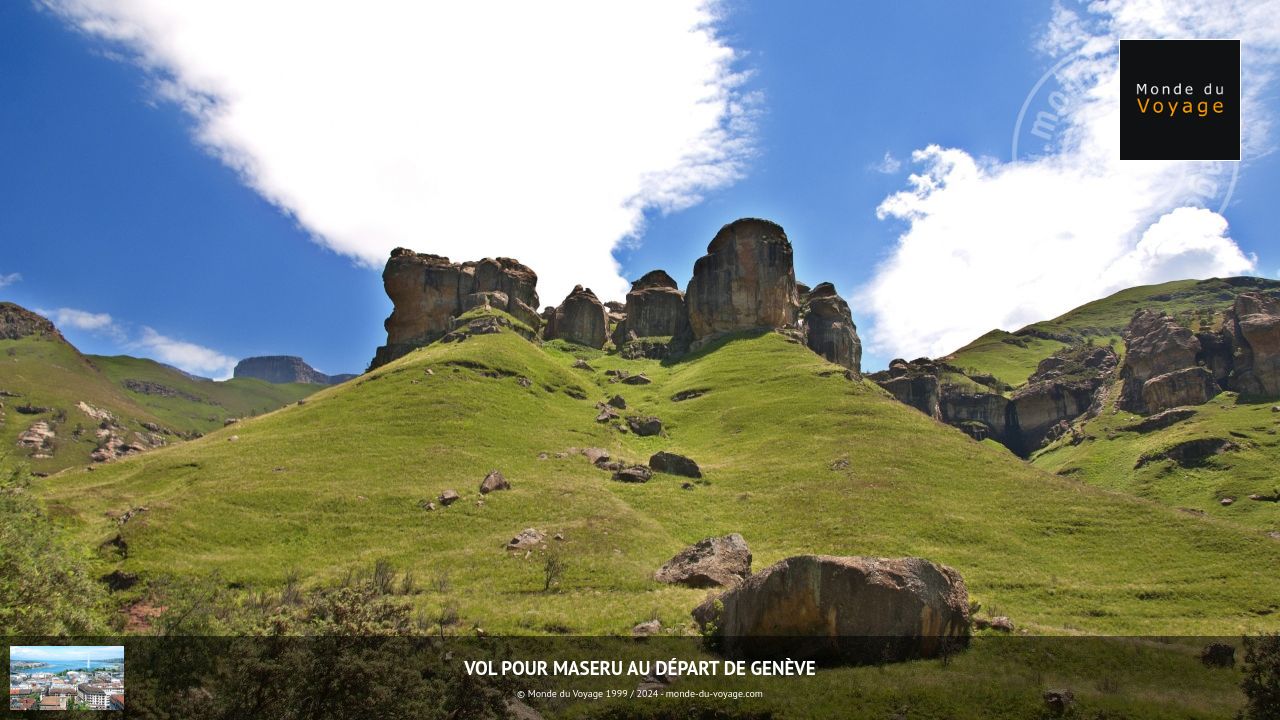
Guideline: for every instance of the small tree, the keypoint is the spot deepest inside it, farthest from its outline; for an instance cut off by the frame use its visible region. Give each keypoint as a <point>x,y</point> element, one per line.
<point>1261,682</point>
<point>552,570</point>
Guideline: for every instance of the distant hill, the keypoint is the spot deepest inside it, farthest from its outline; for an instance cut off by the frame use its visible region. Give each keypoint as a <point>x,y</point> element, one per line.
<point>284,369</point>
<point>61,408</point>
<point>1213,454</point>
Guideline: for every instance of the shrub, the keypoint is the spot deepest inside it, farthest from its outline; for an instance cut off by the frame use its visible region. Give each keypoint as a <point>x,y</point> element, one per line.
<point>1261,682</point>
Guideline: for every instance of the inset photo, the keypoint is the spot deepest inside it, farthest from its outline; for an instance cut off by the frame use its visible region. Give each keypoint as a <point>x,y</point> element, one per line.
<point>66,677</point>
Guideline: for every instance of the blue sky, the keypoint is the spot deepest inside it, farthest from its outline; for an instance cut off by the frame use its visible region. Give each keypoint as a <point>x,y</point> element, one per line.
<point>69,653</point>
<point>227,186</point>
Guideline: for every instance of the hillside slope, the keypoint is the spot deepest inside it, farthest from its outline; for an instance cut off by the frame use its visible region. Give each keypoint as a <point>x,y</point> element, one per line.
<point>59,406</point>
<point>796,457</point>
<point>1012,357</point>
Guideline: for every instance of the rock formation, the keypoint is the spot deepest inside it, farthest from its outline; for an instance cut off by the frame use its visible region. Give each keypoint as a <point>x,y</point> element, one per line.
<point>841,610</point>
<point>913,383</point>
<point>580,319</point>
<point>1255,322</point>
<point>655,309</point>
<point>428,291</point>
<point>284,369</point>
<point>1063,388</point>
<point>828,326</point>
<point>746,280</point>
<point>713,562</point>
<point>1157,347</point>
<point>18,322</point>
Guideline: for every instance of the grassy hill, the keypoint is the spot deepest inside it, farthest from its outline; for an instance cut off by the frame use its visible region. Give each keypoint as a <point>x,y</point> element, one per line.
<point>796,457</point>
<point>1011,357</point>
<point>45,379</point>
<point>1109,450</point>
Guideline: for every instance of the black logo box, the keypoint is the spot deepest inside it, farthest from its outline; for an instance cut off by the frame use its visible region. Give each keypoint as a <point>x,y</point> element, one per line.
<point>1187,68</point>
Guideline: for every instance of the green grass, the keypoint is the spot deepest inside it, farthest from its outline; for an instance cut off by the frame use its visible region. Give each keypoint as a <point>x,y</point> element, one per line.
<point>1012,357</point>
<point>1110,452</point>
<point>337,482</point>
<point>51,373</point>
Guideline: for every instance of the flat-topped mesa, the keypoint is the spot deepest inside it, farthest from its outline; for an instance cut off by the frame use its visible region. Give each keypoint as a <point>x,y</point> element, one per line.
<point>828,326</point>
<point>281,369</point>
<point>428,291</point>
<point>580,319</point>
<point>655,308</point>
<point>746,280</point>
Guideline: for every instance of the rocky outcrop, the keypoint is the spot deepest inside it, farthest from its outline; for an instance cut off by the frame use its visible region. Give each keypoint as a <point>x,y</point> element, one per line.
<point>673,464</point>
<point>915,384</point>
<point>580,319</point>
<point>655,309</point>
<point>1156,347</point>
<point>17,322</point>
<point>1255,322</point>
<point>982,415</point>
<point>746,280</point>
<point>841,610</point>
<point>1063,387</point>
<point>429,290</point>
<point>828,327</point>
<point>283,369</point>
<point>713,562</point>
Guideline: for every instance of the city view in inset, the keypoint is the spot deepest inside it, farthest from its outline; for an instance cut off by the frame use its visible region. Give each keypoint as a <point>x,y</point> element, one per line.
<point>66,677</point>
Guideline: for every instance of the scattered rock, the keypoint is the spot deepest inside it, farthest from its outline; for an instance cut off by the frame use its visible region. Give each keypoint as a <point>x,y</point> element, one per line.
<point>647,628</point>
<point>543,456</point>
<point>618,402</point>
<point>528,538</point>
<point>1000,623</point>
<point>37,437</point>
<point>492,482</point>
<point>233,438</point>
<point>581,364</point>
<point>1218,655</point>
<point>712,562</point>
<point>673,464</point>
<point>687,395</point>
<point>524,382</point>
<point>1224,502</point>
<point>230,421</point>
<point>633,474</point>
<point>428,506</point>
<point>595,455</point>
<point>639,379</point>
<point>1057,702</point>
<point>97,413</point>
<point>686,486</point>
<point>606,414</point>
<point>644,426</point>
<point>29,409</point>
<point>449,497</point>
<point>841,610</point>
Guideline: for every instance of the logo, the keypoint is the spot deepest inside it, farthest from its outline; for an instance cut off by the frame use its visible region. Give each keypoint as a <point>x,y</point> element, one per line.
<point>1179,99</point>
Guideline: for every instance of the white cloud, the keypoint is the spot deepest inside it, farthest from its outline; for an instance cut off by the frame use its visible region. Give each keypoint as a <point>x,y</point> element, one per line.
<point>889,165</point>
<point>1002,244</point>
<point>98,323</point>
<point>193,358</point>
<point>11,278</point>
<point>540,131</point>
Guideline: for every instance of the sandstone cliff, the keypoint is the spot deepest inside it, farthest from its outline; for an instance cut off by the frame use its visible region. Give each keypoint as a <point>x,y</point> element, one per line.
<point>428,291</point>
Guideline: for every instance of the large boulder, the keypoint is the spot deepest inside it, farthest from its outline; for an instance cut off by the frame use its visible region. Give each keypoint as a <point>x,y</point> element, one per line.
<point>746,280</point>
<point>841,610</point>
<point>1188,386</point>
<point>1155,345</point>
<point>713,562</point>
<point>580,319</point>
<point>428,291</point>
<point>829,329</point>
<point>1256,321</point>
<point>673,464</point>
